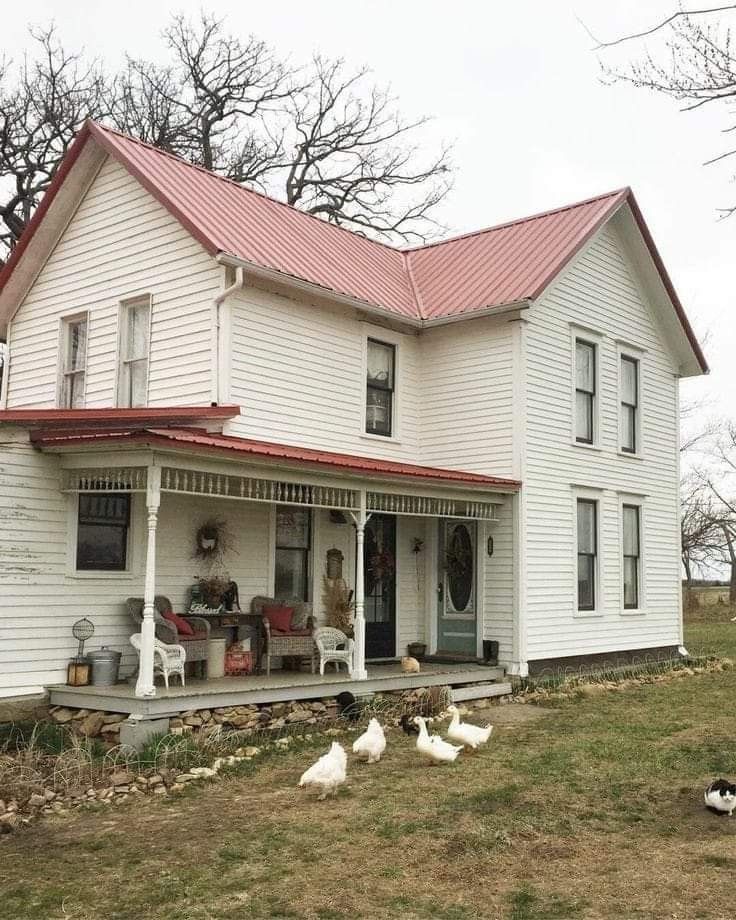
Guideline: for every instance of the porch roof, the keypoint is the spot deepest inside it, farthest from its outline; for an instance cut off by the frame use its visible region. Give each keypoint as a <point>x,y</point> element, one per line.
<point>109,419</point>
<point>234,447</point>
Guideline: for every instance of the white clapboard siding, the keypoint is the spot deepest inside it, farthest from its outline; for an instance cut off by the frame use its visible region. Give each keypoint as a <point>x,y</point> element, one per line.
<point>599,292</point>
<point>466,397</point>
<point>498,581</point>
<point>297,370</point>
<point>120,243</point>
<point>410,581</point>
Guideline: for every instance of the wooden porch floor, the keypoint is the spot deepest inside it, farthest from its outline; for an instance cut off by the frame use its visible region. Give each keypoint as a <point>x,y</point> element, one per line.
<point>278,687</point>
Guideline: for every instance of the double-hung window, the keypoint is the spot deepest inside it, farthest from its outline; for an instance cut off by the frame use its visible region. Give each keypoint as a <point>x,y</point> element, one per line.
<point>102,532</point>
<point>74,362</point>
<point>293,546</point>
<point>629,404</point>
<point>380,378</point>
<point>134,348</point>
<point>585,391</point>
<point>587,528</point>
<point>631,526</point>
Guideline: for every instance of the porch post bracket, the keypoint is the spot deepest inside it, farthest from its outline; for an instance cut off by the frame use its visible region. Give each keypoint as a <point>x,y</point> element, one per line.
<point>145,686</point>
<point>359,520</point>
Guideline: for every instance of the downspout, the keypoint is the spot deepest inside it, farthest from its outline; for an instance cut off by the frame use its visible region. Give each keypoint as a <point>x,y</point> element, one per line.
<point>217,389</point>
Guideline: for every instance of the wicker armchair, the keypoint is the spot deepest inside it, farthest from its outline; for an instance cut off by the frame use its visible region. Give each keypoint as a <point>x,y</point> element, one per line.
<point>295,644</point>
<point>167,659</point>
<point>335,646</point>
<point>196,646</point>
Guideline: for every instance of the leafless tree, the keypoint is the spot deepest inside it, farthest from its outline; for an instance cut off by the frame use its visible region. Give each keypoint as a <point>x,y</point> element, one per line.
<point>43,103</point>
<point>322,137</point>
<point>701,526</point>
<point>694,63</point>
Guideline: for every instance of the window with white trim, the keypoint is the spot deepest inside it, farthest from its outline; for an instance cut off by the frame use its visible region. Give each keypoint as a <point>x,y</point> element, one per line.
<point>587,534</point>
<point>629,404</point>
<point>74,362</point>
<point>380,382</point>
<point>631,545</point>
<point>585,391</point>
<point>135,323</point>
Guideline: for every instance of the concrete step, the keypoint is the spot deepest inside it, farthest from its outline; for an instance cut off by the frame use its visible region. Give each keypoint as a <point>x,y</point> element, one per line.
<point>480,691</point>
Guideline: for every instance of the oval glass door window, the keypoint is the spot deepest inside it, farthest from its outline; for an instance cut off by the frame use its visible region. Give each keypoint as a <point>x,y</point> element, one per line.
<point>459,564</point>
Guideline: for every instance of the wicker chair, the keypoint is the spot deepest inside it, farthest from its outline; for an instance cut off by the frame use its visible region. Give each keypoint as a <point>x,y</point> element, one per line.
<point>167,659</point>
<point>298,644</point>
<point>334,645</point>
<point>197,646</point>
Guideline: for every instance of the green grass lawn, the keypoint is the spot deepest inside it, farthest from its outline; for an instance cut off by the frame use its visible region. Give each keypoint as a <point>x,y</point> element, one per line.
<point>592,809</point>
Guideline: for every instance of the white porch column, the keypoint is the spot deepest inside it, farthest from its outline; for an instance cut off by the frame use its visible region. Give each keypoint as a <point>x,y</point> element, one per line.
<point>360,519</point>
<point>145,686</point>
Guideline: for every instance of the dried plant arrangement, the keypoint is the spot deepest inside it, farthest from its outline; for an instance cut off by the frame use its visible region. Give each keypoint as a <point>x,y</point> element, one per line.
<point>338,601</point>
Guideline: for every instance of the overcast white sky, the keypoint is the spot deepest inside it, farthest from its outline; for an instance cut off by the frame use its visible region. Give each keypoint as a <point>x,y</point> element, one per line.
<point>517,86</point>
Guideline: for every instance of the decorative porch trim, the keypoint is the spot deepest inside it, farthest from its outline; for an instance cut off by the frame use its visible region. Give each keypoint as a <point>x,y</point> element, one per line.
<point>423,506</point>
<point>122,479</point>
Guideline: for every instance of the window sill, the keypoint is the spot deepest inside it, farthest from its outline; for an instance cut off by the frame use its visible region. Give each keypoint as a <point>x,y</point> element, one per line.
<point>587,614</point>
<point>638,612</point>
<point>103,575</point>
<point>383,438</point>
<point>595,447</point>
<point>629,456</point>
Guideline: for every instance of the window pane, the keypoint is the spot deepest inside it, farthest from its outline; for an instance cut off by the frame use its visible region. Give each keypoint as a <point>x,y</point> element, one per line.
<point>292,528</point>
<point>291,573</point>
<point>584,417</point>
<point>138,393</point>
<point>380,364</point>
<point>631,530</point>
<point>104,509</point>
<point>586,582</point>
<point>378,411</point>
<point>76,345</point>
<point>137,333</point>
<point>74,391</point>
<point>628,381</point>
<point>628,428</point>
<point>631,582</point>
<point>102,532</point>
<point>585,366</point>
<point>586,527</point>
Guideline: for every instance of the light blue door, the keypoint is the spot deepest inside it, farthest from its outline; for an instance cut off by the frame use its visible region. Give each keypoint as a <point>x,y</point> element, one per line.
<point>456,591</point>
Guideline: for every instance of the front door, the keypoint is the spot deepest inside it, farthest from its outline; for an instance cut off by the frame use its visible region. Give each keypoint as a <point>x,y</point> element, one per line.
<point>456,591</point>
<point>380,586</point>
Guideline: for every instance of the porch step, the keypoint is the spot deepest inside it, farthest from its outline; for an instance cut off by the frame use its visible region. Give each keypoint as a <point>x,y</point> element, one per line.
<point>449,658</point>
<point>480,691</point>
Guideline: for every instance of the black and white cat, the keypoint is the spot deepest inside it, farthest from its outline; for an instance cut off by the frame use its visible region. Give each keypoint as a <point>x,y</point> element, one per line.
<point>720,797</point>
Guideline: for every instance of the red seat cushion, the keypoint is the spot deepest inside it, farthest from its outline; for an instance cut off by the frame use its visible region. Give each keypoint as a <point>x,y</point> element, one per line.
<point>279,618</point>
<point>182,627</point>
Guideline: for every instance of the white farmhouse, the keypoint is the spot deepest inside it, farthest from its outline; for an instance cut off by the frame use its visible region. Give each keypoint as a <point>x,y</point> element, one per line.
<point>494,418</point>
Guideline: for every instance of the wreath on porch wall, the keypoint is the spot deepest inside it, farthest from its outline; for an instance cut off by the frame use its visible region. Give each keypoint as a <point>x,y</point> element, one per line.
<point>212,541</point>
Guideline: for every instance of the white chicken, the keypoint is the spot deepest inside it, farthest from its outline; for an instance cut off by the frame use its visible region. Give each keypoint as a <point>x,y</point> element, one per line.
<point>371,744</point>
<point>328,773</point>
<point>470,736</point>
<point>433,747</point>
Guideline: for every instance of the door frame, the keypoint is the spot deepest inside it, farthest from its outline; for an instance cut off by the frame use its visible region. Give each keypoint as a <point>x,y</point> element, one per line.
<point>396,521</point>
<point>433,577</point>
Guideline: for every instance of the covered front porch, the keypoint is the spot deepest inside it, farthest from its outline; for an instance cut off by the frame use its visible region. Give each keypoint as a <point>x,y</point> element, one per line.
<point>175,480</point>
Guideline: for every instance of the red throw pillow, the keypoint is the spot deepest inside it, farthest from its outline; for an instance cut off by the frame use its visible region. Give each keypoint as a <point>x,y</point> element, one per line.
<point>183,628</point>
<point>279,617</point>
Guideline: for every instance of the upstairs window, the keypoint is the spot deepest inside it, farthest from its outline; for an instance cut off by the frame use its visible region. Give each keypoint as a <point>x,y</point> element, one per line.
<point>587,510</point>
<point>632,555</point>
<point>102,532</point>
<point>74,362</point>
<point>380,373</point>
<point>134,348</point>
<point>585,391</point>
<point>629,404</point>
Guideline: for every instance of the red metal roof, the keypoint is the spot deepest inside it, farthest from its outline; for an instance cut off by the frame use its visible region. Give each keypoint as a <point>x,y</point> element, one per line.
<point>195,439</point>
<point>81,419</point>
<point>501,265</point>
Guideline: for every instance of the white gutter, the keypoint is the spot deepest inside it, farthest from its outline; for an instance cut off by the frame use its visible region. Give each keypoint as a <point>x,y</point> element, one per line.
<point>316,290</point>
<point>218,364</point>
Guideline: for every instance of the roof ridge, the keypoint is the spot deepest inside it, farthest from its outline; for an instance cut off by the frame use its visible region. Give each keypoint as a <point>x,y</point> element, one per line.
<point>238,185</point>
<point>519,220</point>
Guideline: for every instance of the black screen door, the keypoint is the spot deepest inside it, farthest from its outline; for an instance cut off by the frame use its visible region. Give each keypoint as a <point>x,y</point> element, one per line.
<point>380,586</point>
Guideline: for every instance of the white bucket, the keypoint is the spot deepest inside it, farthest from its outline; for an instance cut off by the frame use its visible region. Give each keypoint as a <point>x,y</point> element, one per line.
<point>216,657</point>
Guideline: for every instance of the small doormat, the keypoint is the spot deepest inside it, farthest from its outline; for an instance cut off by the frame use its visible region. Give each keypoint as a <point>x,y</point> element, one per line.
<point>448,658</point>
